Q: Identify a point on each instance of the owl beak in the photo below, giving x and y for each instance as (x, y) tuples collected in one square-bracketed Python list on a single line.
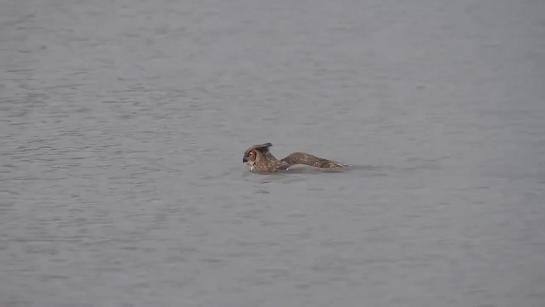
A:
[(244, 159)]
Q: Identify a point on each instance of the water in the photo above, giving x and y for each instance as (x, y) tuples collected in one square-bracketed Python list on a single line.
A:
[(122, 127)]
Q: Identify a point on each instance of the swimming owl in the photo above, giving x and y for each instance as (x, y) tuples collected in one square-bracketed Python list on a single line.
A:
[(261, 160)]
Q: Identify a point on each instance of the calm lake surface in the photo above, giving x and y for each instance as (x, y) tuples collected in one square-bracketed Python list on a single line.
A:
[(122, 127)]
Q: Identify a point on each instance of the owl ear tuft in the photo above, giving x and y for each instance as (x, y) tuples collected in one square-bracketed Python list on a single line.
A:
[(262, 147)]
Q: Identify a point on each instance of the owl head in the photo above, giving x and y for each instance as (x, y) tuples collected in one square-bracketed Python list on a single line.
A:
[(255, 152)]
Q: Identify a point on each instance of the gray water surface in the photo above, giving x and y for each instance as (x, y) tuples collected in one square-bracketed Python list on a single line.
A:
[(122, 127)]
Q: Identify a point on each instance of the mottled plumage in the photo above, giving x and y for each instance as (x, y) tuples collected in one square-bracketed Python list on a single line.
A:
[(261, 160)]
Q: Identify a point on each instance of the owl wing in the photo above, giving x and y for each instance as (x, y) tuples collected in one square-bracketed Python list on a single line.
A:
[(311, 160)]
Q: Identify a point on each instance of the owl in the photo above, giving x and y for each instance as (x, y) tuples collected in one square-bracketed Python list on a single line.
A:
[(261, 160)]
